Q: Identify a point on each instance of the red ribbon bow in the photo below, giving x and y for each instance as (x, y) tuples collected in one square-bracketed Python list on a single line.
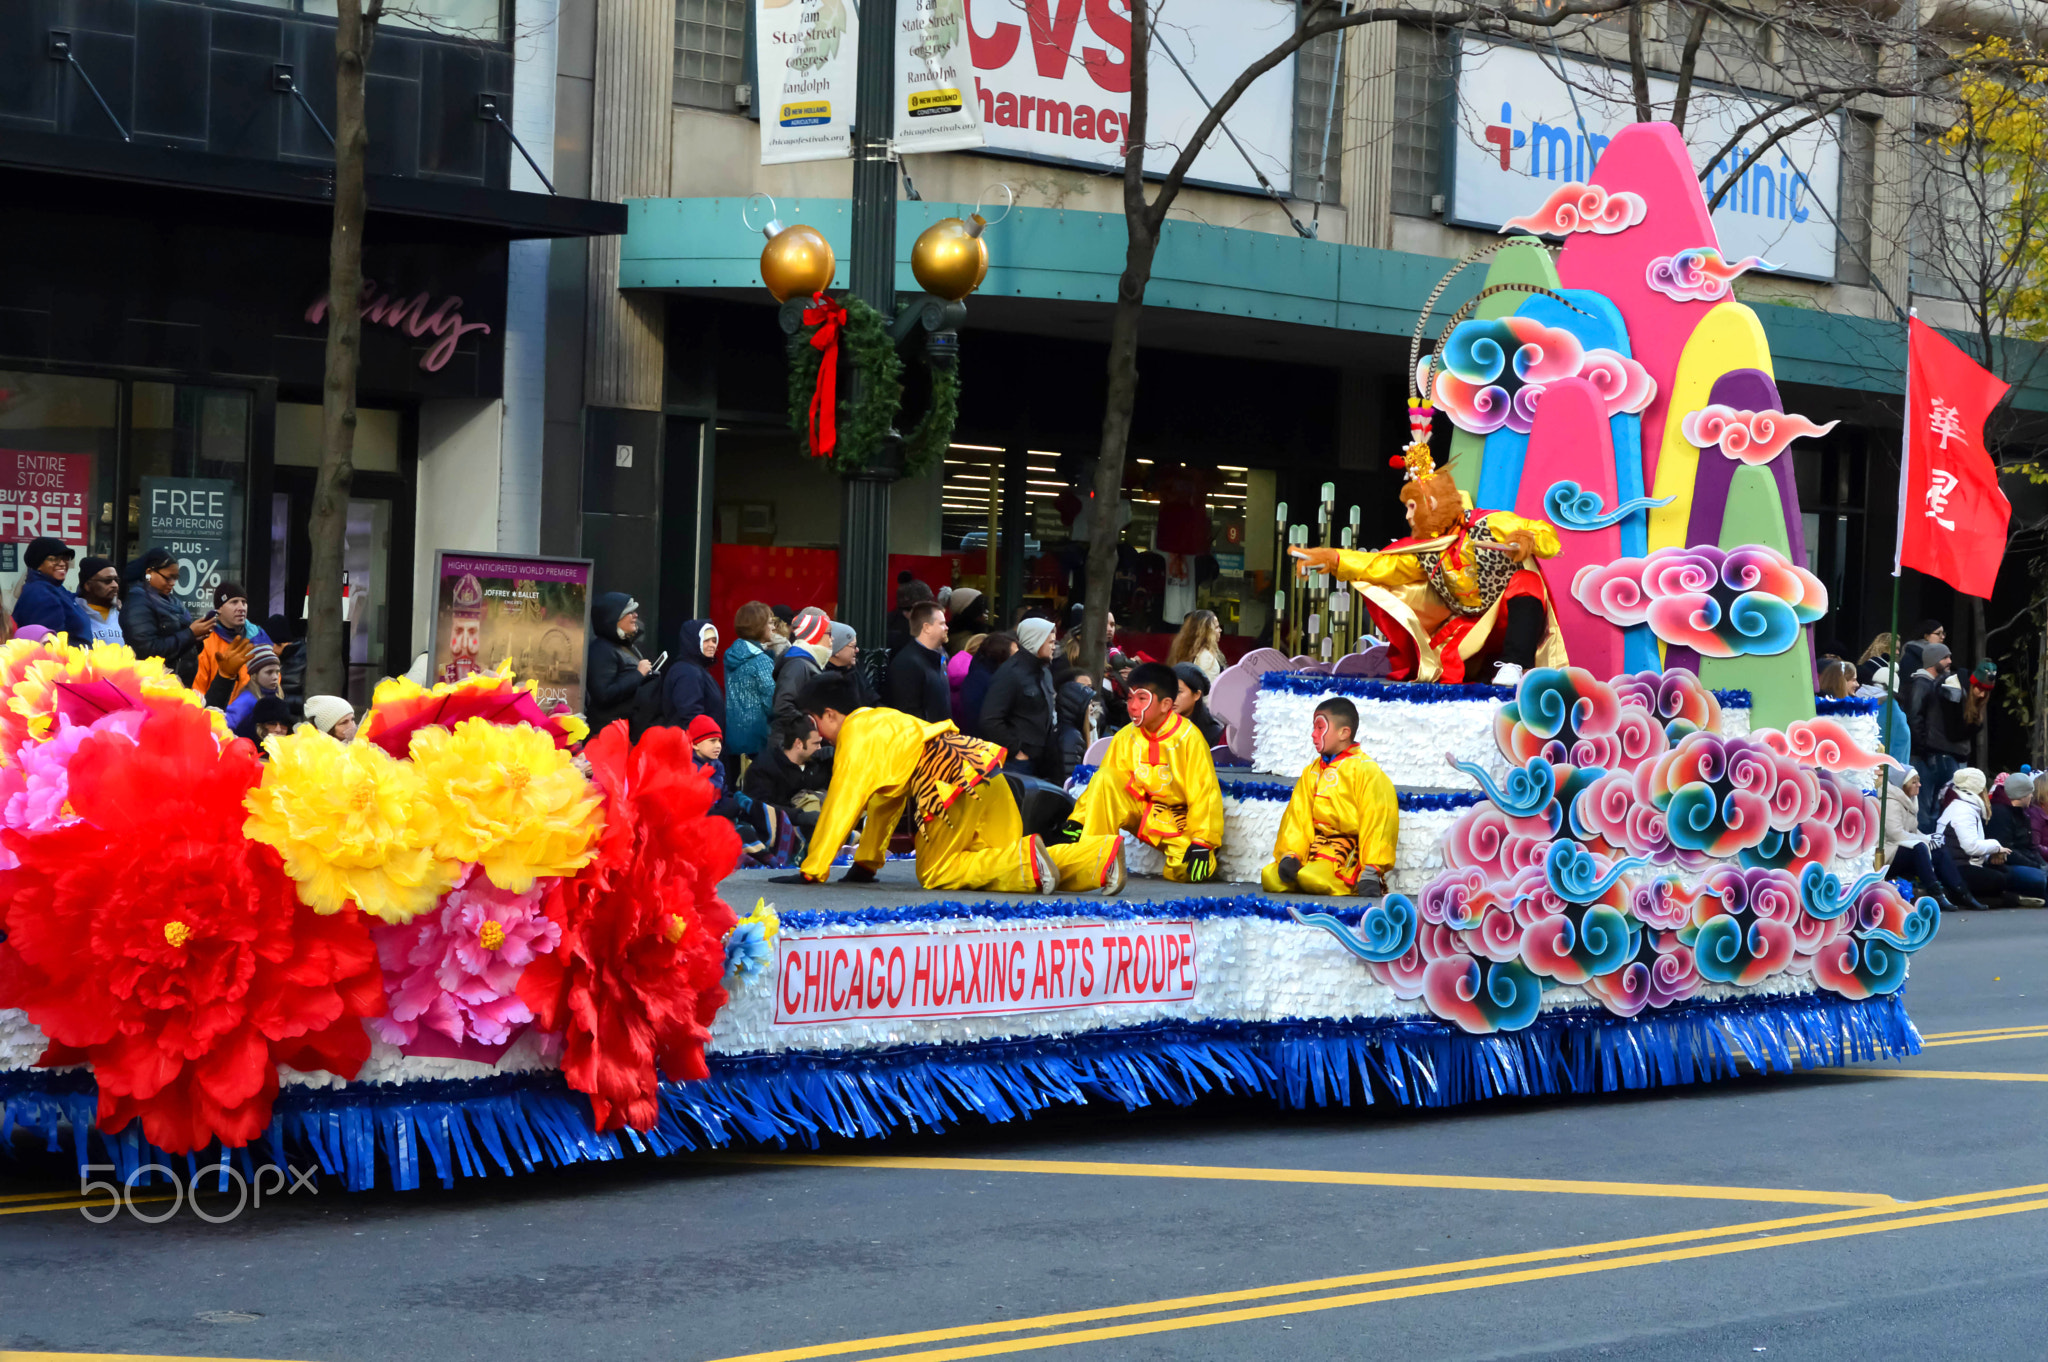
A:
[(829, 317)]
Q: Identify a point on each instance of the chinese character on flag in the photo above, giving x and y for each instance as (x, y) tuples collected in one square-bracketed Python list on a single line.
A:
[(1952, 517)]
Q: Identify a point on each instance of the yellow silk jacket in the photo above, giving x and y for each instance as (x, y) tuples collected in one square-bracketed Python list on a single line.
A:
[(1459, 568), (1343, 811), (1172, 767), (883, 758)]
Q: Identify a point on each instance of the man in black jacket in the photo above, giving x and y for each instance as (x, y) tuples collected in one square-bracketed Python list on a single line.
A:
[(614, 668), (155, 622), (917, 670), (1941, 740), (788, 775), (1021, 712)]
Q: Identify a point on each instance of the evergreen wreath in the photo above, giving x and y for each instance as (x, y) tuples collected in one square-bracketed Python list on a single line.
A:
[(866, 349)]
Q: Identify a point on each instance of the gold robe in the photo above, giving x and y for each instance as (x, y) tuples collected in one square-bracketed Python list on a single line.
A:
[(969, 834), (1161, 787), (1343, 816)]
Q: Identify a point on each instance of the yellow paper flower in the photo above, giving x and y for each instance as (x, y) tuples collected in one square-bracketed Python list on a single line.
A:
[(509, 800), (352, 825), (40, 679), (401, 707)]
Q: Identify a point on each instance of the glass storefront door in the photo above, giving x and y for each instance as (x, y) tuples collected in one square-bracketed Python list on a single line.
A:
[(187, 476), (58, 438)]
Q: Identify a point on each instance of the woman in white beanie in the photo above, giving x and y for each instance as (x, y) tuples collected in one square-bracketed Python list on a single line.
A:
[(332, 715), (1960, 830)]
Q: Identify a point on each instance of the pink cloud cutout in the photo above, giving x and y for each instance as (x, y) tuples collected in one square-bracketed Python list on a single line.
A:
[(1575, 207), (1754, 437), (1699, 275)]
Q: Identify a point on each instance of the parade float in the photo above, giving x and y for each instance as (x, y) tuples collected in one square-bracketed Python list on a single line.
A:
[(477, 940)]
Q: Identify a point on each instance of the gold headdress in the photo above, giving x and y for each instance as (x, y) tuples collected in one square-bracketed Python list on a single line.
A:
[(1416, 458)]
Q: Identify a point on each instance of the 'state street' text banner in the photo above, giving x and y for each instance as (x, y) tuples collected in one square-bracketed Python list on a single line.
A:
[(980, 973)]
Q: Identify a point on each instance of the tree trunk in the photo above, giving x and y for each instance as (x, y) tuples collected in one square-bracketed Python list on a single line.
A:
[(2037, 750), (1103, 531), (1141, 227), (1638, 65), (326, 633)]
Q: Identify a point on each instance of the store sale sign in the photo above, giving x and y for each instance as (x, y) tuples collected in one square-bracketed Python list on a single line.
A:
[(981, 973), (45, 494)]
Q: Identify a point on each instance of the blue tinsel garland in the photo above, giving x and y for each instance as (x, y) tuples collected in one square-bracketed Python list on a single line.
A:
[(511, 1123), (1418, 692), (1848, 704), (1410, 801)]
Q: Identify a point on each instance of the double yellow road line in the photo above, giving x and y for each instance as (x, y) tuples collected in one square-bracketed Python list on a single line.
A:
[(1291, 1299), (28, 1203)]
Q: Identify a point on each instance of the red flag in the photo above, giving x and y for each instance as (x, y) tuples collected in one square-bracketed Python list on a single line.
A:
[(1952, 517)]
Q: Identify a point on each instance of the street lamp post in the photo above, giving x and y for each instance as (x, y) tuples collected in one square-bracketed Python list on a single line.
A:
[(864, 515)]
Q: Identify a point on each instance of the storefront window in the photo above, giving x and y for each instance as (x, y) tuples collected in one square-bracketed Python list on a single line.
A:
[(57, 441), (188, 476)]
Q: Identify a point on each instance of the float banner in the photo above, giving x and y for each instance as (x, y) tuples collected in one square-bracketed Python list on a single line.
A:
[(807, 78), (981, 972), (1053, 78), (193, 518), (490, 607), (935, 105), (1518, 137)]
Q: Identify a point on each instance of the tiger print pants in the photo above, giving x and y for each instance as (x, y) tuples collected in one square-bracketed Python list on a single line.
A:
[(979, 843)]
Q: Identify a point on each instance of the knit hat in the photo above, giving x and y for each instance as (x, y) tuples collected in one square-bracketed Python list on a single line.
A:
[(843, 634), (229, 591), (1969, 780), (2019, 785), (1897, 775), (1193, 677), (962, 599), (326, 711), (263, 656), (1986, 675), (811, 626), (45, 547), (1032, 634), (1933, 653), (271, 709), (702, 727), (90, 568)]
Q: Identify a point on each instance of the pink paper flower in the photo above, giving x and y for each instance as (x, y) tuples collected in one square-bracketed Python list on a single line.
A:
[(35, 790), (455, 970)]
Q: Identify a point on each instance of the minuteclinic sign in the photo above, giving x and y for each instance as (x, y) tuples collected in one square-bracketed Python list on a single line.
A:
[(1519, 135), (980, 973)]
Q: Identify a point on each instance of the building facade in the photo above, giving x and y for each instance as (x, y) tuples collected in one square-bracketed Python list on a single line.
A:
[(167, 166)]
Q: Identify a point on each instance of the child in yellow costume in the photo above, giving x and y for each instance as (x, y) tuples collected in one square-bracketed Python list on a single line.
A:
[(1158, 780), (1337, 836), (969, 833)]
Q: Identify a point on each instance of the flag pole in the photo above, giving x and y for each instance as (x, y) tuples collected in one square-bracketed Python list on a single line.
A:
[(1898, 657)]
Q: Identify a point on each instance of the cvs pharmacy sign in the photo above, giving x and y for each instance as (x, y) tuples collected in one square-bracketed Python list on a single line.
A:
[(1053, 78)]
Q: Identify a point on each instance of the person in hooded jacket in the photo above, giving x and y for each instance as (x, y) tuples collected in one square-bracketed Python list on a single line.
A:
[(1020, 712), (989, 656), (689, 688), (967, 612), (614, 667), (1080, 714)]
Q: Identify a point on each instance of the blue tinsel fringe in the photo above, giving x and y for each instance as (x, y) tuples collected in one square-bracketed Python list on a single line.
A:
[(1419, 692), (1848, 704), (1277, 792), (518, 1123)]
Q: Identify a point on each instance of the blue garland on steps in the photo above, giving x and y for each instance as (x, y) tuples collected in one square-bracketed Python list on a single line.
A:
[(519, 1123)]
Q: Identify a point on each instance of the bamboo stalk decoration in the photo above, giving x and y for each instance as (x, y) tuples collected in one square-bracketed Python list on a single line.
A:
[(1282, 575)]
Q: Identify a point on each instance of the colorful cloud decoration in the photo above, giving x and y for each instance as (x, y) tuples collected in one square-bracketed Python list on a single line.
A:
[(1565, 876), (1699, 275), (1754, 437), (1494, 372), (1574, 207), (1748, 601)]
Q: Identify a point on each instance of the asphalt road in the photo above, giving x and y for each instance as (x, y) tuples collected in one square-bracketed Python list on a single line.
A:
[(1780, 1217)]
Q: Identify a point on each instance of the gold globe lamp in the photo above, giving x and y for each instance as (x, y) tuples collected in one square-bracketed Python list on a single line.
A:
[(797, 261), (950, 259)]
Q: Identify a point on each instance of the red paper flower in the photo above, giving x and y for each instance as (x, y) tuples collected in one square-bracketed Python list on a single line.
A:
[(154, 941), (635, 983)]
